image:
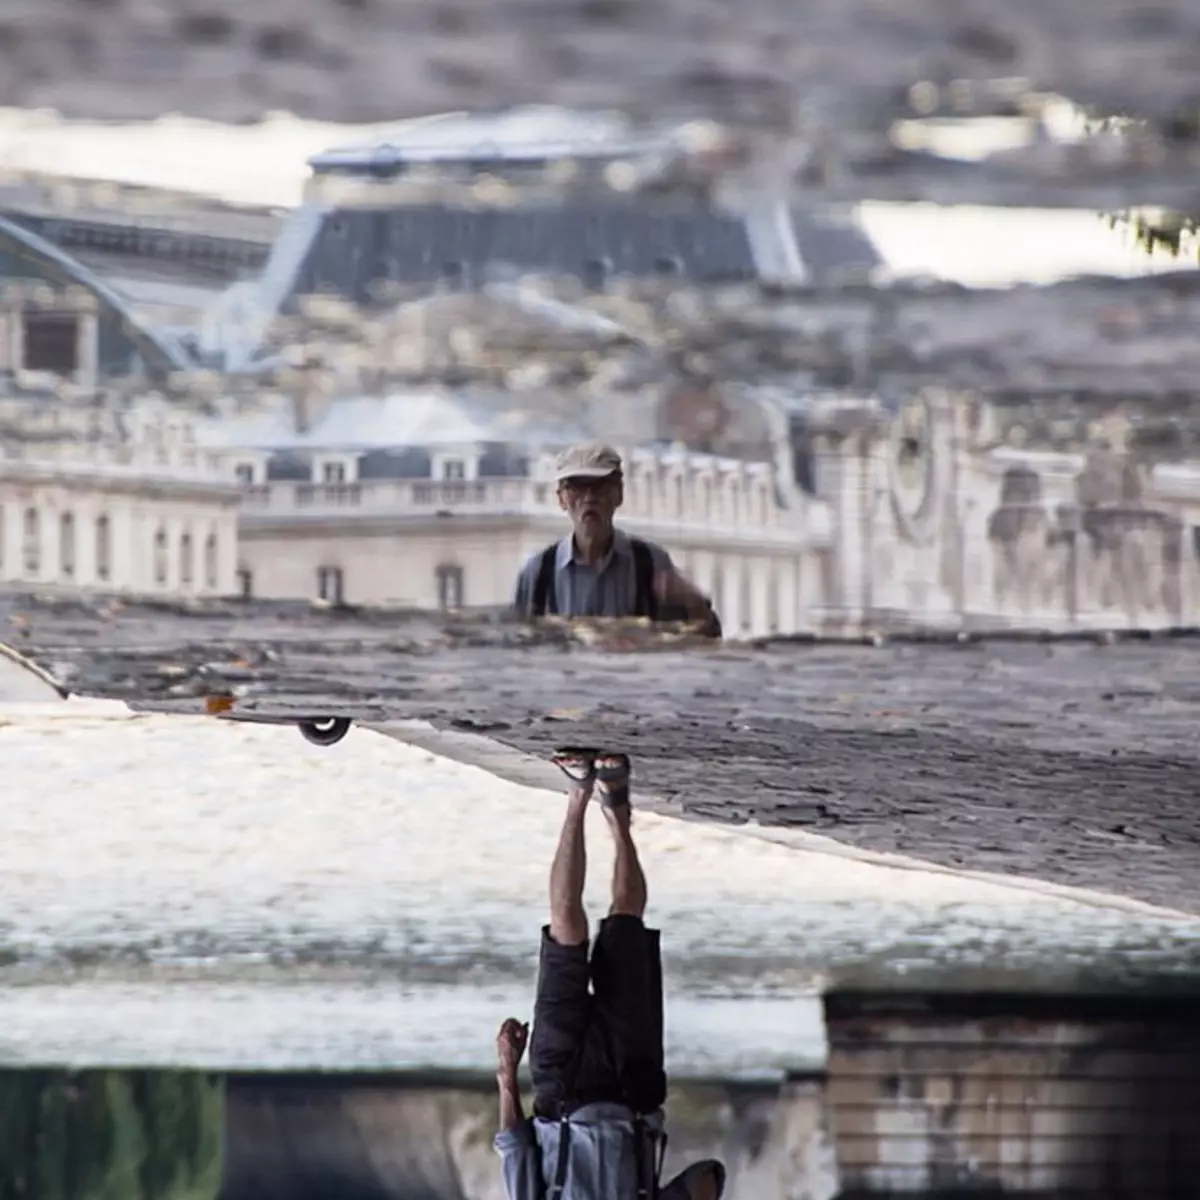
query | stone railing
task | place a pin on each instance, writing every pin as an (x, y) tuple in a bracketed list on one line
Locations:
[(406, 496), (185, 461), (662, 502)]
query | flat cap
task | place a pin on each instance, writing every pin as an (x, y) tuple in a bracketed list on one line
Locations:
[(592, 461)]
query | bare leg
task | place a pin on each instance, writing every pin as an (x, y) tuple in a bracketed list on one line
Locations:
[(629, 881), (568, 921)]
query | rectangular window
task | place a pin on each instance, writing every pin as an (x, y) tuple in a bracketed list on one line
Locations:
[(66, 544), (450, 587), (330, 585), (31, 550), (210, 562), (103, 549), (244, 472), (245, 583), (454, 468), (51, 342), (185, 561)]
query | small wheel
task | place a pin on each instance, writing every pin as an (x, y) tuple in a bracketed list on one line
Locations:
[(325, 731)]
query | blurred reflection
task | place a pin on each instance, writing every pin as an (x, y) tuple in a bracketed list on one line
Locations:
[(135, 1135)]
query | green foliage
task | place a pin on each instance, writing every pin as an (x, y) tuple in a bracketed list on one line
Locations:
[(110, 1135)]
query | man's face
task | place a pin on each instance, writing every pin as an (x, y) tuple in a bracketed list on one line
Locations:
[(591, 503)]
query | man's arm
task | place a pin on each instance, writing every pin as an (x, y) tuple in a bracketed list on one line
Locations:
[(515, 1142), (523, 599), (512, 1113), (520, 1159), (681, 595)]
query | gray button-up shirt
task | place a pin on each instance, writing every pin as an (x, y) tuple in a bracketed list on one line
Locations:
[(601, 1158), (609, 590)]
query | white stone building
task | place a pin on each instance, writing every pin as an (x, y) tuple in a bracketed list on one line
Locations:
[(420, 499), (83, 507)]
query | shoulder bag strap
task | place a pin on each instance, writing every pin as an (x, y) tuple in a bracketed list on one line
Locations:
[(645, 601), (545, 598)]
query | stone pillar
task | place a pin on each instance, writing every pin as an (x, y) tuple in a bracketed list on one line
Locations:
[(1187, 574), (52, 515), (7, 319), (88, 350), (842, 467), (788, 572), (85, 540), (227, 552), (10, 534), (125, 546), (15, 339), (764, 594)]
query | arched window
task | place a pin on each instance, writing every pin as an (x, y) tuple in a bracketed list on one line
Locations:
[(185, 561), (210, 562), (160, 558), (66, 545), (103, 549), (31, 548)]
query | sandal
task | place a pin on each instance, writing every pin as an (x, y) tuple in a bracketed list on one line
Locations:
[(612, 775), (577, 763)]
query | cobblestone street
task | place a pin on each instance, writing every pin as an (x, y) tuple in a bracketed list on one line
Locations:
[(1071, 762)]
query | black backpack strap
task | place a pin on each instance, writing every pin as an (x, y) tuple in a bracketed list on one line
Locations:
[(645, 602), (648, 1180), (545, 598), (564, 1152)]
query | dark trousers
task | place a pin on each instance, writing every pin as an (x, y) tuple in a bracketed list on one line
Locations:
[(598, 1021)]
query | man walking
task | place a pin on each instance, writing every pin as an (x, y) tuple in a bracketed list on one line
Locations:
[(597, 1050), (597, 570)]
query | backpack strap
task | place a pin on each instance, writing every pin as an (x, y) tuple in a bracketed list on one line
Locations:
[(545, 598), (648, 1180), (564, 1152), (645, 602)]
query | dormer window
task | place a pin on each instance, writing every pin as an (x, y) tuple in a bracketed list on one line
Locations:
[(244, 473), (334, 469), (455, 464)]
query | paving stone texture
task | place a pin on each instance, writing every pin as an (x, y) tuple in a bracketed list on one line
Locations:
[(1070, 761)]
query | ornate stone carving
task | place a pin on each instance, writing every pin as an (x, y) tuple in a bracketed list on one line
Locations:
[(913, 469)]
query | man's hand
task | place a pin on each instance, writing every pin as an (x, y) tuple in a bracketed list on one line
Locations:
[(510, 1047), (676, 592)]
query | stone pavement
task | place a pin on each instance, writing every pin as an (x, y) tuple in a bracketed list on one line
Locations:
[(1070, 762)]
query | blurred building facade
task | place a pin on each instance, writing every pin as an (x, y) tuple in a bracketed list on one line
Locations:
[(95, 498), (397, 359), (428, 500)]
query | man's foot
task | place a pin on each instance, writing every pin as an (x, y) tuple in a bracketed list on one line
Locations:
[(578, 764), (612, 781)]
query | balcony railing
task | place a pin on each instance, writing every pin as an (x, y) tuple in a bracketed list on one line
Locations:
[(654, 511), (417, 496)]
